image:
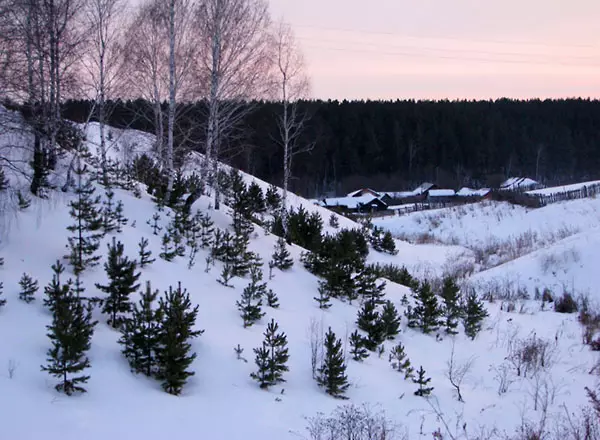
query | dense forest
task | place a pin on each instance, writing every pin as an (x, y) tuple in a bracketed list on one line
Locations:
[(392, 145)]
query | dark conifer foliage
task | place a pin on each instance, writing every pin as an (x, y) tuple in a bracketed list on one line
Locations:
[(273, 199), (4, 184), (324, 299), (474, 314), (367, 286), (174, 354), (55, 289), (452, 306), (370, 320), (29, 288), (422, 380), (400, 361), (333, 221), (121, 272), (332, 372), (390, 320), (206, 231), (88, 222), (256, 200), (426, 314), (388, 245), (71, 334), (357, 346), (271, 357), (281, 255), (154, 223), (250, 303), (145, 253), (272, 299), (140, 334), (2, 300)]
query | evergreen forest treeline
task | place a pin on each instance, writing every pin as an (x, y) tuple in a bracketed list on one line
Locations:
[(392, 145)]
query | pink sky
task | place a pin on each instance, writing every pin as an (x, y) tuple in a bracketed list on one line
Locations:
[(448, 48)]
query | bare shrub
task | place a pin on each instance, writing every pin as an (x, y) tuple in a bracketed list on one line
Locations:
[(531, 355), (566, 304), (456, 371), (503, 377), (315, 333), (353, 422)]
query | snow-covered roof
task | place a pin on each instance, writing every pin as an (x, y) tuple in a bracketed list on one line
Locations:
[(372, 191), (441, 192), (423, 187), (564, 188), (518, 183), (401, 194), (470, 192), (351, 202)]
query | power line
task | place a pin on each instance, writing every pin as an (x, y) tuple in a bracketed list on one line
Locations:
[(389, 33), (449, 57)]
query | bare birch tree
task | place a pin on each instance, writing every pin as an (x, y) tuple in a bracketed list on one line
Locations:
[(293, 85), (233, 67), (103, 62)]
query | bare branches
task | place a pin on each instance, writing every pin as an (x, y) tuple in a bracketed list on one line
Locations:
[(456, 371)]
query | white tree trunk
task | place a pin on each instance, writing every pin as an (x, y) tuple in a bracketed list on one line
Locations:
[(172, 91)]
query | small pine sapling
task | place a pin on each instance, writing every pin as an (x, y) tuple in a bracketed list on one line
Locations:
[(281, 255), (238, 350), (169, 251), (422, 381), (474, 314), (451, 308), (332, 372), (154, 223), (226, 276), (357, 346), (388, 245), (271, 357), (250, 303), (272, 299), (369, 320), (206, 231), (29, 288), (333, 221), (109, 222), (323, 299), (120, 218), (145, 253), (426, 314), (2, 300), (390, 320), (400, 361), (55, 290)]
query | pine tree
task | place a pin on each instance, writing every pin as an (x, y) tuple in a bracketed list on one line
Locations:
[(250, 303), (422, 381), (120, 216), (281, 256), (88, 221), (153, 223), (333, 221), (226, 276), (323, 299), (3, 180), (173, 354), (256, 199), (241, 258), (2, 300), (369, 320), (123, 278), (29, 287), (367, 287), (474, 314), (426, 314), (24, 202), (388, 245), (71, 335), (357, 346), (240, 204), (206, 231), (400, 361), (390, 320), (109, 221), (140, 334), (272, 299), (272, 357), (332, 372), (273, 199), (55, 290), (169, 251), (145, 253), (452, 310)]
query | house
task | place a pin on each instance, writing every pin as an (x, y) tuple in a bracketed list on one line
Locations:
[(470, 194), (365, 203), (519, 184), (364, 192), (425, 187), (441, 195)]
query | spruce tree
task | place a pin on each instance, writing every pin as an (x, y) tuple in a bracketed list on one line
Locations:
[(140, 334), (123, 278), (422, 381), (323, 299), (426, 314), (145, 253), (332, 372), (272, 357), (88, 222), (474, 314), (390, 320), (29, 287), (452, 310), (272, 299), (250, 303), (71, 335), (173, 354), (281, 256), (400, 361), (357, 346)]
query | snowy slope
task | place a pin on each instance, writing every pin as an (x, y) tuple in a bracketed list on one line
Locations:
[(221, 401)]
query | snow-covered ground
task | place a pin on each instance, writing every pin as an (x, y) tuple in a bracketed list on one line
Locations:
[(221, 401)]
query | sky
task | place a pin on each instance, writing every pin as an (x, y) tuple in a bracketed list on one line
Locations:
[(454, 49)]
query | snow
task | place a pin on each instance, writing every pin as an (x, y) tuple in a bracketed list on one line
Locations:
[(441, 193), (350, 202), (221, 400), (516, 183), (470, 192), (564, 188)]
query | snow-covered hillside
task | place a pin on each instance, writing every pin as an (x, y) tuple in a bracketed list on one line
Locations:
[(221, 401)]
